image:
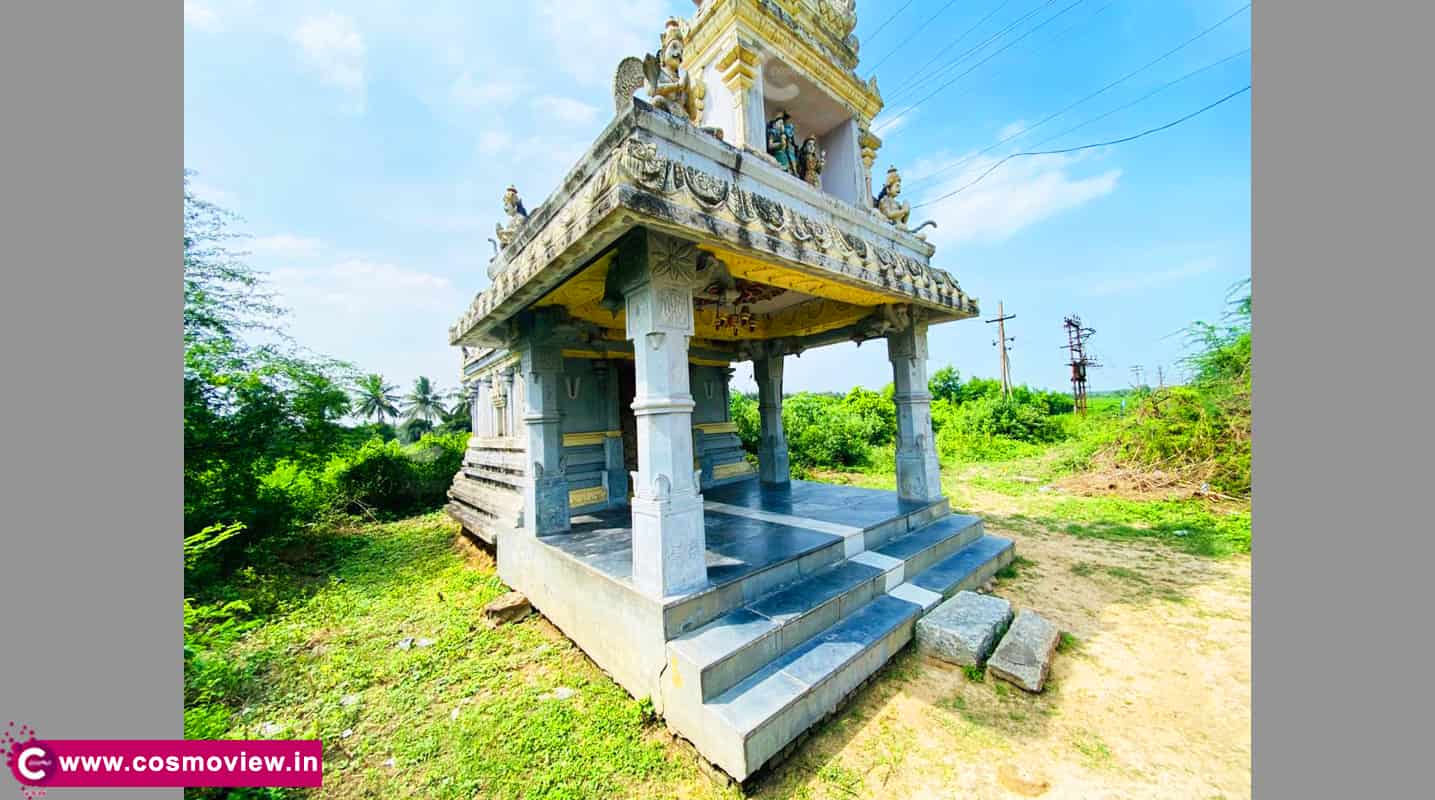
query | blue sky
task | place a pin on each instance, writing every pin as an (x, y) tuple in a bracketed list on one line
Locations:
[(366, 145)]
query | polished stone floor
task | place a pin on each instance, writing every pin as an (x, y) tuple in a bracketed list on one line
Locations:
[(738, 545)]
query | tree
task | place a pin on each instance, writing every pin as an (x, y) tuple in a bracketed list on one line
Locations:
[(375, 399), (424, 402), (457, 417), (946, 384)]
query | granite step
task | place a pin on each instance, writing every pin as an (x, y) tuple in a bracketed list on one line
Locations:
[(967, 568), (927, 545), (773, 706), (711, 659)]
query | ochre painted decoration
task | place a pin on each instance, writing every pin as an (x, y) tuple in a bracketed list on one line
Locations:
[(717, 427), (732, 470), (587, 497), (586, 439)]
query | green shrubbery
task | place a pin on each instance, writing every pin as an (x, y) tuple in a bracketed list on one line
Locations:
[(1201, 432), (972, 422), (266, 449)]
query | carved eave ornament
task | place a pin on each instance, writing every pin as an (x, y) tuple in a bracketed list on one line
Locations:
[(626, 182)]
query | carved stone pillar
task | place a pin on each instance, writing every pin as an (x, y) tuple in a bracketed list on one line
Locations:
[(739, 68), (656, 274), (870, 144), (545, 495), (917, 473), (773, 466)]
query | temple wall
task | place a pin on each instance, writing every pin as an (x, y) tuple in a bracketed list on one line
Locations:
[(585, 407)]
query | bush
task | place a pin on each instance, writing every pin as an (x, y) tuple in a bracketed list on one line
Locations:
[(823, 432), (1007, 419), (391, 478), (743, 408)]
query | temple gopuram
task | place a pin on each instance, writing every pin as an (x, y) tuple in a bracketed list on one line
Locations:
[(726, 214)]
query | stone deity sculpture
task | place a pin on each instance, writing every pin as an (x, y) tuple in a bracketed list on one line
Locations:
[(782, 141), (810, 161), (517, 214), (894, 210), (669, 84)]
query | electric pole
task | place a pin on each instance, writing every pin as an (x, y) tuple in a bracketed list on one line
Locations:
[(1001, 344), (1076, 337)]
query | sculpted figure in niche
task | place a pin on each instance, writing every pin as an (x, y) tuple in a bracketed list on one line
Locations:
[(782, 141), (811, 161)]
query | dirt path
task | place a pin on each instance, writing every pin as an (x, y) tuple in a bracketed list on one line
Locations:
[(1152, 699)]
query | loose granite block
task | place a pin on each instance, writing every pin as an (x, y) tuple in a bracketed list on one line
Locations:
[(1024, 655), (964, 629)]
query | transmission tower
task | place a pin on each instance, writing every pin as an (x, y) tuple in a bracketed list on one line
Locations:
[(1001, 343), (1076, 337)]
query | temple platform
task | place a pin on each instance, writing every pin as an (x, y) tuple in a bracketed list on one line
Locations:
[(811, 588)]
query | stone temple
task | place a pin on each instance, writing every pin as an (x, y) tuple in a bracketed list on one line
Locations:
[(726, 214)]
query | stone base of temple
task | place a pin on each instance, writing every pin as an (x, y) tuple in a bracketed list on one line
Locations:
[(811, 589), (487, 493)]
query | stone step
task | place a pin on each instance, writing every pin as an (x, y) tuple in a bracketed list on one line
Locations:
[(711, 659), (929, 544), (693, 612), (759, 716), (967, 568)]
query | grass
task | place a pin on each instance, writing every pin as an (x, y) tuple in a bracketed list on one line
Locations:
[(1092, 748), (476, 713), (1191, 525), (473, 714)]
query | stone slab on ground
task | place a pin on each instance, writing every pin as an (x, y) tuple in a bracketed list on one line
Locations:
[(964, 629), (1024, 655), (510, 607)]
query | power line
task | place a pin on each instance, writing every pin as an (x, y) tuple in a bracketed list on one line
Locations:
[(1163, 87), (1128, 76), (1003, 49), (913, 34), (1122, 140), (1059, 37), (895, 14), (919, 70), (917, 80)]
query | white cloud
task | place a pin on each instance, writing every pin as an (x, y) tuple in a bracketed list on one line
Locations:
[(471, 93), (895, 122), (1018, 194), (213, 194), (332, 46), (286, 245), (200, 16), (1011, 130), (589, 37), (357, 287), (492, 142), (565, 110), (1104, 285)]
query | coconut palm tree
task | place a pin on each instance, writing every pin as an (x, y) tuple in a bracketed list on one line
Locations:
[(424, 402), (375, 398)]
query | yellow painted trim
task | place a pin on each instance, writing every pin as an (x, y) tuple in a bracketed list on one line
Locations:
[(732, 470), (587, 497), (717, 427), (583, 439)]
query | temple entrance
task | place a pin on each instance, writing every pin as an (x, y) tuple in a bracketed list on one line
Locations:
[(627, 421)]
